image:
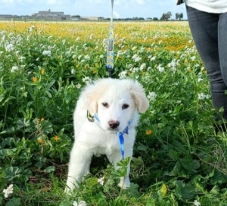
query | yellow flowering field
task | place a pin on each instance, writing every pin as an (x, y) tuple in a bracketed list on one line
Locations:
[(178, 159), (139, 32)]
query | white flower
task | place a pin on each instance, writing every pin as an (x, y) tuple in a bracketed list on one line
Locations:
[(160, 68), (31, 28), (173, 64), (101, 180), (120, 53), (142, 66), (200, 79), (152, 96), (136, 58), (203, 96), (129, 66), (2, 33), (91, 36), (21, 58), (141, 50), (8, 191), (14, 68), (87, 80), (47, 52), (101, 56), (152, 58), (3, 38), (193, 58), (78, 86), (197, 65), (17, 53), (87, 57), (123, 74), (73, 71), (81, 203), (134, 69), (9, 47), (133, 48), (196, 203)]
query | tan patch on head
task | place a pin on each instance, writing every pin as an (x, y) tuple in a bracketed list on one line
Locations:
[(92, 94)]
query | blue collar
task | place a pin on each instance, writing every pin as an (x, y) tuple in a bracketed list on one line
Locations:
[(92, 118), (119, 134)]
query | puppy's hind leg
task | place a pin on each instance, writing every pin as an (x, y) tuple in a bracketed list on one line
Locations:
[(79, 164)]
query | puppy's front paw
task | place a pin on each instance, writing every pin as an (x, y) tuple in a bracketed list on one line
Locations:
[(124, 183), (67, 190)]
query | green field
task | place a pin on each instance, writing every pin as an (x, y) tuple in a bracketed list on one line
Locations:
[(178, 158)]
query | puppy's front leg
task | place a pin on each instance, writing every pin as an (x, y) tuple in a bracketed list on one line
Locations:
[(124, 181), (79, 163)]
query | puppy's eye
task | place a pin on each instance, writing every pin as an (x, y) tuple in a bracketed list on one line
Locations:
[(125, 106), (105, 104)]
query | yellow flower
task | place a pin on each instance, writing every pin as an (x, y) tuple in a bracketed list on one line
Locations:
[(34, 79), (56, 138), (42, 71), (149, 132), (40, 141), (164, 190), (189, 70), (42, 119)]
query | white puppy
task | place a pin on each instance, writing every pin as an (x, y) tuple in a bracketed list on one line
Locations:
[(106, 114)]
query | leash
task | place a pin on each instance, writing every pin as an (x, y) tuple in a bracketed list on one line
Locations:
[(110, 47), (110, 69), (121, 138)]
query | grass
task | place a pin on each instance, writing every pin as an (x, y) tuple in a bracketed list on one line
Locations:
[(178, 158)]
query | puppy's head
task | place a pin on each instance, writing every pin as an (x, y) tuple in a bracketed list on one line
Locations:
[(115, 102)]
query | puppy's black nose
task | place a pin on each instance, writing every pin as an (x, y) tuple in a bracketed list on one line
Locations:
[(113, 124)]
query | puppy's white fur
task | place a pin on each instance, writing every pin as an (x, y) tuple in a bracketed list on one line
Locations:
[(112, 100)]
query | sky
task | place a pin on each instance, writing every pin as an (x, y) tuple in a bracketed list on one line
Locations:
[(98, 8)]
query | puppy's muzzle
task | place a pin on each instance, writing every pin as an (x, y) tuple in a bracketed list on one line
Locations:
[(113, 124)]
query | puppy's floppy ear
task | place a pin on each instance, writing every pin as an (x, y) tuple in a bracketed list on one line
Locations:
[(91, 94), (90, 97), (91, 103), (139, 96)]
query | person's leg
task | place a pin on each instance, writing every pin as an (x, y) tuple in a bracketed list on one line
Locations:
[(204, 29), (222, 45)]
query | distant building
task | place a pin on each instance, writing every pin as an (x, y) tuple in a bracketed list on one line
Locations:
[(51, 15)]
